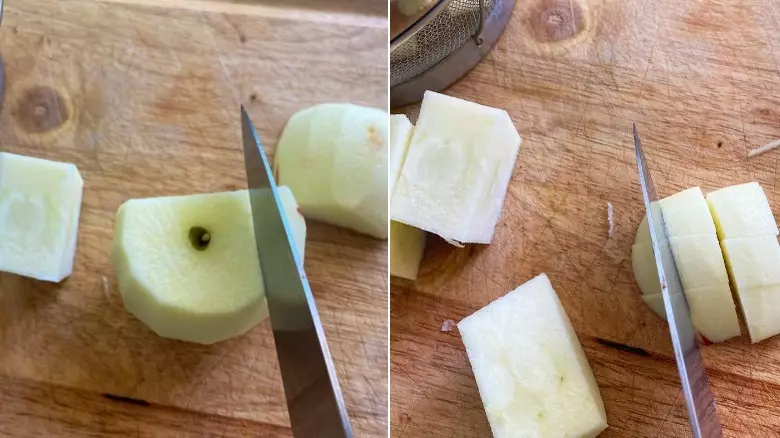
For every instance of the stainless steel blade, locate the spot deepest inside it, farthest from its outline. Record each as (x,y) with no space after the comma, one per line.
(695,386)
(311,386)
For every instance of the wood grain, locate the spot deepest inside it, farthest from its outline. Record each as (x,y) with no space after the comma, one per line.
(701,80)
(144,99)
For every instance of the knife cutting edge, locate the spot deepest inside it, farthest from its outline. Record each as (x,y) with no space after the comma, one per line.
(311,387)
(695,386)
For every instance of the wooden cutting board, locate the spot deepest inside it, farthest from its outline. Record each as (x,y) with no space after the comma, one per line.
(144,98)
(701,80)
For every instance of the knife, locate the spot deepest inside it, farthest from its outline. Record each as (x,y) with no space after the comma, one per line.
(695,387)
(311,386)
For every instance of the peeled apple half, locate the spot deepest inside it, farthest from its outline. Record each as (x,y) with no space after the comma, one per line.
(40,202)
(455,176)
(187,266)
(406,243)
(334,157)
(699,261)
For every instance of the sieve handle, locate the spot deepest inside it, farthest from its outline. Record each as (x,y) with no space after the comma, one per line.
(482,15)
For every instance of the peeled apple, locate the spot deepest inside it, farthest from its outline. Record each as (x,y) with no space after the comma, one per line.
(531,371)
(699,261)
(333,157)
(748,237)
(40,203)
(187,266)
(457,170)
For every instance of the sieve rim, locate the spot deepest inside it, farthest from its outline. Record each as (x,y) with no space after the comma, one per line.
(419,25)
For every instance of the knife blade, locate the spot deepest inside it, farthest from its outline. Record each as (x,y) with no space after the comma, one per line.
(695,386)
(311,387)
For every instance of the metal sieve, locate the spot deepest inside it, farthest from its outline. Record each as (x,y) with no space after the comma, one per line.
(442,45)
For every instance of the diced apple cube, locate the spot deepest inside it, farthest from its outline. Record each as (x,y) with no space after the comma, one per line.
(686,213)
(742,211)
(713,312)
(753,261)
(532,373)
(407,245)
(699,261)
(455,176)
(759,306)
(40,203)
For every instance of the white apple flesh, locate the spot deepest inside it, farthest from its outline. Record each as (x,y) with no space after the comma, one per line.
(40,204)
(748,238)
(187,266)
(406,243)
(742,211)
(455,176)
(532,373)
(699,262)
(334,158)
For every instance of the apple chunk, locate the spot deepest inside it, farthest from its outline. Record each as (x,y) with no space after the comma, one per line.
(406,250)
(40,204)
(334,157)
(532,373)
(455,176)
(742,211)
(401,130)
(187,266)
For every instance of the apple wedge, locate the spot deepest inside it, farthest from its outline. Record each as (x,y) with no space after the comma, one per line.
(531,371)
(40,204)
(455,176)
(406,243)
(187,266)
(334,158)
(699,262)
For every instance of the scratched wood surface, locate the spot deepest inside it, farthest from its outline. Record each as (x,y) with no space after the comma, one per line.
(701,80)
(143,97)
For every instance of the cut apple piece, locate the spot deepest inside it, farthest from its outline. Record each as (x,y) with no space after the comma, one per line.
(187,266)
(407,245)
(699,261)
(645,271)
(400,135)
(742,211)
(686,214)
(753,261)
(532,373)
(40,203)
(713,312)
(759,307)
(334,159)
(455,176)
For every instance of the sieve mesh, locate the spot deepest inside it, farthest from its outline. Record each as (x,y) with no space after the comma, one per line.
(442,36)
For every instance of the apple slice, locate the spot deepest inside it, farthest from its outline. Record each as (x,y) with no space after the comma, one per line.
(532,373)
(334,157)
(407,245)
(455,176)
(656,304)
(742,211)
(401,130)
(713,312)
(187,266)
(40,203)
